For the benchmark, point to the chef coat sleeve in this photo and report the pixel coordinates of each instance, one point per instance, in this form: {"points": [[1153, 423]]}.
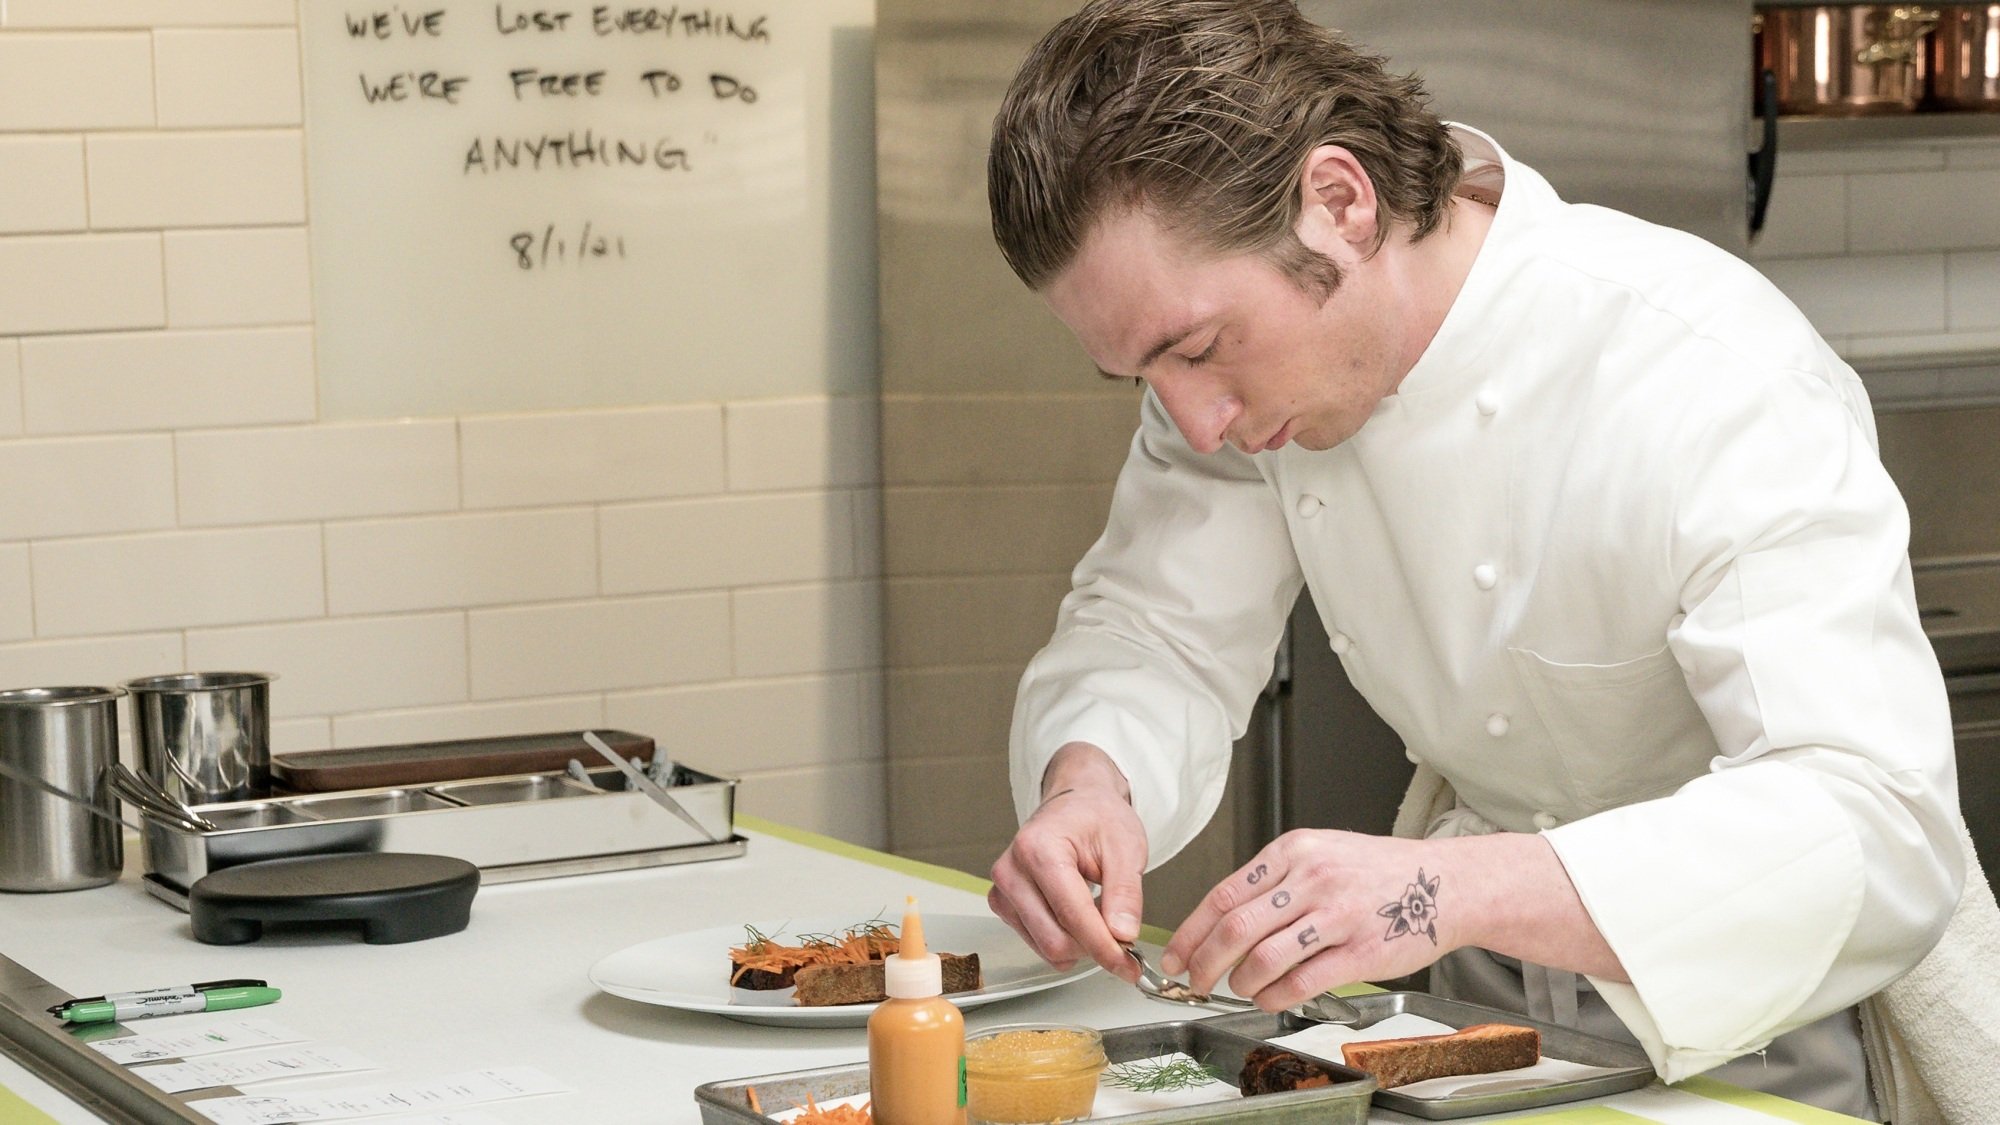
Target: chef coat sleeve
{"points": [[1818, 858], [1167, 634]]}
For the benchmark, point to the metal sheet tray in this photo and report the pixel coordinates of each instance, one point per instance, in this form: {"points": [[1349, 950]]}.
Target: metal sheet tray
{"points": [[1343, 1103], [1633, 1070], [513, 827]]}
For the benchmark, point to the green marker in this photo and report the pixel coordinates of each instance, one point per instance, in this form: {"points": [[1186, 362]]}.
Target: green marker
{"points": [[211, 996]]}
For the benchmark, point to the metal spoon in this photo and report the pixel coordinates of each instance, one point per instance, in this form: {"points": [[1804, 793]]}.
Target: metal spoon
{"points": [[1324, 1008], [1159, 986]]}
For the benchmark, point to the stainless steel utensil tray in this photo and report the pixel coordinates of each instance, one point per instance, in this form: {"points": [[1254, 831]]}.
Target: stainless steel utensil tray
{"points": [[1631, 1069], [522, 826], [1343, 1103]]}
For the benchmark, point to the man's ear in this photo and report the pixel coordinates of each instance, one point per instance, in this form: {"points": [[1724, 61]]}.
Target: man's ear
{"points": [[1337, 199]]}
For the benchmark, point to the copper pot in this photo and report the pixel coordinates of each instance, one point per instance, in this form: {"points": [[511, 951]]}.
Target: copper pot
{"points": [[1846, 59], [1965, 57]]}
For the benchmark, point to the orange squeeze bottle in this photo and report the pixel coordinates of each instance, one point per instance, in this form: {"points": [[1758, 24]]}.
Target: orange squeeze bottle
{"points": [[916, 1038]]}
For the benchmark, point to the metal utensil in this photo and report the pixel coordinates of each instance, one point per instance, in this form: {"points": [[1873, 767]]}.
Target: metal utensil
{"points": [[647, 786], [1324, 1008], [575, 772], [136, 789], [1159, 986]]}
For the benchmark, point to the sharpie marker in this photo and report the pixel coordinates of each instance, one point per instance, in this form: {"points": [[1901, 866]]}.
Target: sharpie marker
{"points": [[207, 996]]}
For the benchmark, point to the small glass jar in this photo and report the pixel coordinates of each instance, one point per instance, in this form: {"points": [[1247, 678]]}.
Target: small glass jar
{"points": [[1032, 1073]]}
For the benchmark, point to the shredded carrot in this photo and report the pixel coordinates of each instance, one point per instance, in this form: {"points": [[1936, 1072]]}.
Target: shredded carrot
{"points": [[834, 1115], [756, 1106], [858, 945]]}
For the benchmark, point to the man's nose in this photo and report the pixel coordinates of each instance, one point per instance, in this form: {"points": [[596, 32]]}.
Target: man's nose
{"points": [[1202, 413]]}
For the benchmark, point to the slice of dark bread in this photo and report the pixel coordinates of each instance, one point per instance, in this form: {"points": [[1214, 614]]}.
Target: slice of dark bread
{"points": [[1479, 1049], [823, 985]]}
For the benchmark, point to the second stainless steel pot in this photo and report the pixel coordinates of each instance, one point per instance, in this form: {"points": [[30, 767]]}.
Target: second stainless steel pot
{"points": [[1846, 59], [204, 736]]}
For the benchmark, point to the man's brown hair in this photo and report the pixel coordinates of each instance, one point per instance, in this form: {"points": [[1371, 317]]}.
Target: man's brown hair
{"points": [[1203, 112]]}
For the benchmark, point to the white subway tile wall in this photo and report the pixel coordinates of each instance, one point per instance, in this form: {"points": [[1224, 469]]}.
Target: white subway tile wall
{"points": [[59, 81], [317, 472], [195, 179], [233, 278], [160, 380], [1892, 250], [80, 283], [148, 13], [10, 387], [707, 574], [129, 582], [41, 184], [591, 456], [224, 78], [17, 594]]}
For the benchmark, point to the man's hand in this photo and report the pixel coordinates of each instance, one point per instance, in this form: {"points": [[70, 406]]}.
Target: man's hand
{"points": [[1084, 832], [1319, 909]]}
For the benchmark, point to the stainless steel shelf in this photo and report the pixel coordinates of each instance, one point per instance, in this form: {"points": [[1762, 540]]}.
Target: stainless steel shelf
{"points": [[1803, 134]]}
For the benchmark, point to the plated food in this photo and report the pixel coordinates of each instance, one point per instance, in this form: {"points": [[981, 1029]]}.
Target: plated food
{"points": [[826, 969]]}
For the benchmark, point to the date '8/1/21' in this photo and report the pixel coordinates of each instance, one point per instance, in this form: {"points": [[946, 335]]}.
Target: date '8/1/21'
{"points": [[555, 246]]}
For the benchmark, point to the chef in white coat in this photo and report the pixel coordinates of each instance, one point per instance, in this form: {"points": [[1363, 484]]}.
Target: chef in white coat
{"points": [[1594, 519]]}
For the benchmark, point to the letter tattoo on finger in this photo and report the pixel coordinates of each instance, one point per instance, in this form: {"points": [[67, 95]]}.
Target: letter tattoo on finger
{"points": [[1282, 899], [1257, 876], [1308, 936]]}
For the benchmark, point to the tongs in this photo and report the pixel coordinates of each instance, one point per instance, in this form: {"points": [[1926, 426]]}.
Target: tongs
{"points": [[153, 800], [1324, 1008], [648, 786]]}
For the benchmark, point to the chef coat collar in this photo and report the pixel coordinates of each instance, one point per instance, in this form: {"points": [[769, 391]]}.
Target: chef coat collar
{"points": [[1469, 329]]}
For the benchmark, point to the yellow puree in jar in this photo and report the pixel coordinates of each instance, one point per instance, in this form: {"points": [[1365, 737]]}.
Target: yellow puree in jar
{"points": [[1032, 1077]]}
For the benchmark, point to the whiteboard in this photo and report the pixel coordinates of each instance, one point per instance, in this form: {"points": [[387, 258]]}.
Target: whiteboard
{"points": [[521, 206]]}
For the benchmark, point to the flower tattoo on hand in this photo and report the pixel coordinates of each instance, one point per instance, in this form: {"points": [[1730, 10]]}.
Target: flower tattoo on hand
{"points": [[1416, 911]]}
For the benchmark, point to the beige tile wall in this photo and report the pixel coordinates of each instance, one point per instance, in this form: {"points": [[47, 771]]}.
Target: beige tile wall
{"points": [[705, 573]]}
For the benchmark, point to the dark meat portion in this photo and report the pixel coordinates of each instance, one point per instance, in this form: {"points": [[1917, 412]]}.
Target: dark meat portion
{"points": [[1268, 1070]]}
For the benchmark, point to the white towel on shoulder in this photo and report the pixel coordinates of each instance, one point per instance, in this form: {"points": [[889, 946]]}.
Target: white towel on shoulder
{"points": [[1933, 1037]]}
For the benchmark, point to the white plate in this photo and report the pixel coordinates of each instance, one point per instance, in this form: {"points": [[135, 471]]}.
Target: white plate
{"points": [[691, 971]]}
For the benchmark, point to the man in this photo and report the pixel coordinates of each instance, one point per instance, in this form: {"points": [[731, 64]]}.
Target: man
{"points": [[1593, 517]]}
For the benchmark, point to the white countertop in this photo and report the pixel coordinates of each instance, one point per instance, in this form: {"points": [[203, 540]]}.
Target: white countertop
{"points": [[512, 988]]}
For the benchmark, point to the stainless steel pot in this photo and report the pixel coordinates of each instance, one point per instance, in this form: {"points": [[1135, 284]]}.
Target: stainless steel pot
{"points": [[67, 737], [204, 737], [1965, 57], [1846, 59]]}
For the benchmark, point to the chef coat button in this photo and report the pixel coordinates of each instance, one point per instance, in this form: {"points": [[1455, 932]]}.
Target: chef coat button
{"points": [[1487, 402], [1341, 643], [1544, 821], [1484, 576], [1496, 725], [1309, 505]]}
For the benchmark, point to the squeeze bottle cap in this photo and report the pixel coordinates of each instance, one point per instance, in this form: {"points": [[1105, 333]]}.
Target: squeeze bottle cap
{"points": [[913, 973]]}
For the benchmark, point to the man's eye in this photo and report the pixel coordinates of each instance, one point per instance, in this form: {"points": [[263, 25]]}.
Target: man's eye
{"points": [[1207, 353]]}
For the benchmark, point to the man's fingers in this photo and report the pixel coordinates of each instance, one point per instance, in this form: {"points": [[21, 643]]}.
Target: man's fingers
{"points": [[1032, 917], [1240, 931], [1260, 874], [1288, 945], [1321, 972], [1120, 897], [1068, 896]]}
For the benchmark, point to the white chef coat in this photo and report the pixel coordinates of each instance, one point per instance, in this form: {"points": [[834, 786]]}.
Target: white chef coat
{"points": [[1619, 560]]}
